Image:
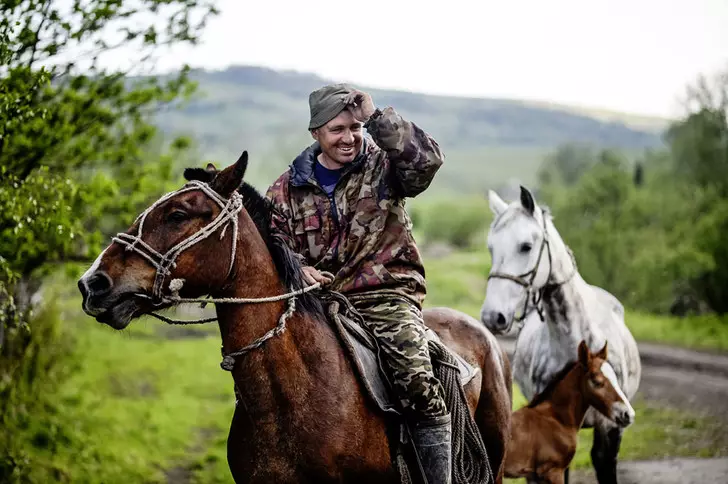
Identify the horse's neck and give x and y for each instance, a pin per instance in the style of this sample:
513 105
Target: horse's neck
281 373
564 303
567 402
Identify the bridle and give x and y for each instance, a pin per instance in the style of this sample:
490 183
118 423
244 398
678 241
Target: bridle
164 263
535 297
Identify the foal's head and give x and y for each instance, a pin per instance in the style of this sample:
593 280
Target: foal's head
188 235
600 388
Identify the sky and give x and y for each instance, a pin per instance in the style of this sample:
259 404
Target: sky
635 56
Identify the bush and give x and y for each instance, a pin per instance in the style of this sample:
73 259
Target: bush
28 374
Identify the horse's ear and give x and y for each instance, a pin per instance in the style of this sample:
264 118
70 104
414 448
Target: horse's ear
583 354
527 200
205 175
230 179
497 205
603 352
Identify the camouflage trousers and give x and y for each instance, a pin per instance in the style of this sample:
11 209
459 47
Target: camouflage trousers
398 325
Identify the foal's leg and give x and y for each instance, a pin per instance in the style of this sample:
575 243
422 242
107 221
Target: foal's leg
566 476
607 440
554 476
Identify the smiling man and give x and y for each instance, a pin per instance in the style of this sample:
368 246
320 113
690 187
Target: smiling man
341 208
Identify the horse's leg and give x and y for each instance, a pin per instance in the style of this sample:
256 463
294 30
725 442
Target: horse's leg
493 413
566 475
554 476
607 440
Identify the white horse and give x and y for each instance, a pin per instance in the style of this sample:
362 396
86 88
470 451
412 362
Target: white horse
534 281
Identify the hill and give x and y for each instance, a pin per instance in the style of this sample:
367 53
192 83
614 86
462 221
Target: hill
486 141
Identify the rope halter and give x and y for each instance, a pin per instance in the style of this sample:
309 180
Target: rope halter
164 263
535 296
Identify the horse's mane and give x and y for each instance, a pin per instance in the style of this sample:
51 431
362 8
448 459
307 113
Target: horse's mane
549 390
287 264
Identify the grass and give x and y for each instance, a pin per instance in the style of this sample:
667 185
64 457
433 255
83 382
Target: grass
708 332
137 406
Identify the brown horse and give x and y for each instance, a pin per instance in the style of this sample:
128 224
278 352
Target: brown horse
302 415
544 433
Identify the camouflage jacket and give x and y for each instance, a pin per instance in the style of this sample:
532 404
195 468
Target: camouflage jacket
367 243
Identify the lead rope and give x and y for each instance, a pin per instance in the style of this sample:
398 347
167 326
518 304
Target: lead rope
228 360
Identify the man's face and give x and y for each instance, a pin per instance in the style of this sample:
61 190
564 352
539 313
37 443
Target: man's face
340 138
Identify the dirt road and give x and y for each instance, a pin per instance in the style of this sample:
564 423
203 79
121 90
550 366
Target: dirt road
673 471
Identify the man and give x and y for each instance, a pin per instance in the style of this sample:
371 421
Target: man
340 207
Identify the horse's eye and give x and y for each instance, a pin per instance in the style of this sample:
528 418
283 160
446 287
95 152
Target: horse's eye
177 216
597 383
525 247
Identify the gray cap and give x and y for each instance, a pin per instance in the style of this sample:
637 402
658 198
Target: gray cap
326 103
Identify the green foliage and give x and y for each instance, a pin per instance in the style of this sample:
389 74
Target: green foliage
79 157
38 219
31 372
75 126
566 164
699 143
457 221
76 143
654 234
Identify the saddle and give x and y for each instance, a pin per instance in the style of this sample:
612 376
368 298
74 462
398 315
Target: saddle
363 350
453 371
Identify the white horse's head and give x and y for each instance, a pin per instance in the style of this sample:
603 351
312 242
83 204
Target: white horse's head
518 246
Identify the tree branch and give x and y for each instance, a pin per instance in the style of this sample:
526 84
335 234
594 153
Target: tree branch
44 13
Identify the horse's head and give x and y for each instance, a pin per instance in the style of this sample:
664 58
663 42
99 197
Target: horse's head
188 236
517 242
600 388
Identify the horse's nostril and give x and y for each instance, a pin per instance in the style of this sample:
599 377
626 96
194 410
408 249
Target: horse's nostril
501 319
98 283
82 288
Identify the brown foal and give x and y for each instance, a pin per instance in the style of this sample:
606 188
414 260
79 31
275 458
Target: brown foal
302 416
544 433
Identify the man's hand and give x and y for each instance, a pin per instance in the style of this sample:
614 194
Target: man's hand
313 276
361 105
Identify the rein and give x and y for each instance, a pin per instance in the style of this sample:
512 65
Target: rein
163 263
535 297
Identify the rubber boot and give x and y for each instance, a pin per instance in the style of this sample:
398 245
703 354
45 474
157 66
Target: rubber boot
433 441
